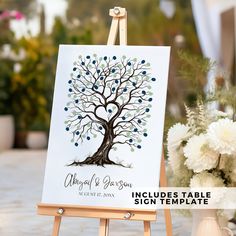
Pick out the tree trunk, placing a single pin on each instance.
(101, 156)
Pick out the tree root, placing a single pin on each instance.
(95, 161)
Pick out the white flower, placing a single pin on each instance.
(199, 156)
(205, 179)
(222, 136)
(217, 114)
(176, 159)
(228, 165)
(179, 174)
(176, 135)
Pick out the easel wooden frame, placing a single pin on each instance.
(105, 214)
(228, 42)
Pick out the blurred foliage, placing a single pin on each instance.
(32, 85)
(6, 86)
(27, 7)
(6, 36)
(6, 72)
(147, 25)
(225, 94)
(62, 34)
(192, 72)
(88, 22)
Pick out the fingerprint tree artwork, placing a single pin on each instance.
(109, 97)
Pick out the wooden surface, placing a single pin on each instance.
(147, 228)
(104, 227)
(56, 226)
(119, 20)
(96, 212)
(228, 42)
(123, 30)
(163, 183)
(113, 31)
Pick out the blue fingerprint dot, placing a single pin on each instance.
(98, 71)
(87, 73)
(113, 89)
(76, 144)
(144, 72)
(131, 140)
(100, 127)
(139, 147)
(150, 99)
(139, 121)
(70, 90)
(79, 117)
(105, 58)
(134, 84)
(74, 69)
(67, 128)
(140, 100)
(76, 101)
(95, 86)
(94, 62)
(88, 57)
(88, 138)
(114, 57)
(125, 89)
(123, 118)
(143, 92)
(143, 61)
(145, 134)
(101, 78)
(116, 81)
(70, 81)
(82, 63)
(129, 63)
(147, 110)
(77, 133)
(153, 79)
(110, 110)
(83, 89)
(135, 129)
(113, 70)
(66, 109)
(78, 76)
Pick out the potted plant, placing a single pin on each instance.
(33, 92)
(6, 117)
(37, 135)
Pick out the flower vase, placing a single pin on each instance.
(205, 223)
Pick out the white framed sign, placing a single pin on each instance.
(107, 124)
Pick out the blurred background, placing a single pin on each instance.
(202, 36)
(31, 31)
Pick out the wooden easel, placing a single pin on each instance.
(105, 214)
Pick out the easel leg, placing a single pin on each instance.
(147, 228)
(104, 227)
(163, 183)
(168, 222)
(56, 226)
